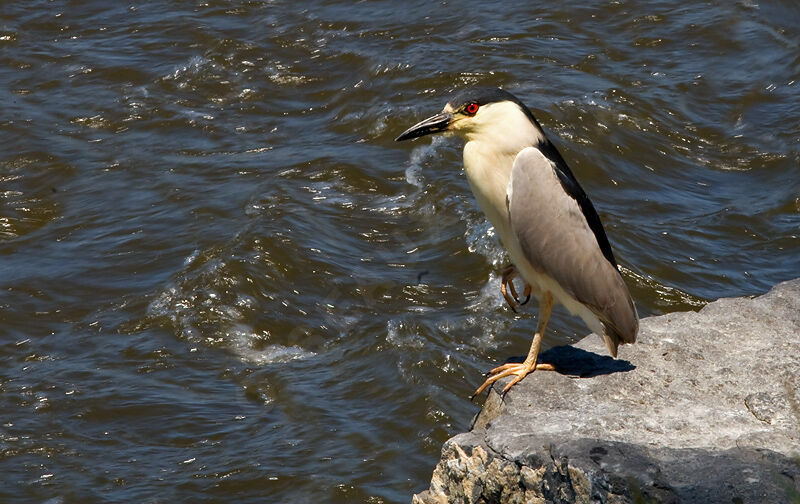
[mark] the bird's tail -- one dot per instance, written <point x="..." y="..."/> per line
<point x="621" y="326"/>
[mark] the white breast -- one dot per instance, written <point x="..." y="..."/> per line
<point x="488" y="174"/>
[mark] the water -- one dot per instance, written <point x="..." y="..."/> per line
<point x="223" y="280"/>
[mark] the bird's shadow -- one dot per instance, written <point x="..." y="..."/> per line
<point x="572" y="361"/>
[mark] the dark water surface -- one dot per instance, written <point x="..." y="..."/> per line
<point x="221" y="280"/>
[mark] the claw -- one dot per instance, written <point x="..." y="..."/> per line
<point x="512" y="289"/>
<point x="507" y="284"/>
<point x="527" y="293"/>
<point x="519" y="369"/>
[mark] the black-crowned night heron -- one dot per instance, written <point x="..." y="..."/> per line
<point x="542" y="216"/>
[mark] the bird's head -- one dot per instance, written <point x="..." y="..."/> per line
<point x="483" y="114"/>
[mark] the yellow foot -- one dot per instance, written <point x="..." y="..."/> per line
<point x="507" y="284"/>
<point x="521" y="370"/>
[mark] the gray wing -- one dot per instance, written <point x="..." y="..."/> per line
<point x="557" y="240"/>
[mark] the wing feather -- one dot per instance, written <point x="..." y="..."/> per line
<point x="556" y="238"/>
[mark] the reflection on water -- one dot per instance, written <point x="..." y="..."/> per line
<point x="221" y="276"/>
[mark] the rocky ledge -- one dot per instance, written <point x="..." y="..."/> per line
<point x="703" y="408"/>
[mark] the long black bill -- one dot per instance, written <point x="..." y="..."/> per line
<point x="434" y="124"/>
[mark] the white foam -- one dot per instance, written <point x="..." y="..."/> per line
<point x="418" y="156"/>
<point x="398" y="334"/>
<point x="241" y="341"/>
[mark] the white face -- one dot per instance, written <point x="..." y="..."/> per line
<point x="502" y="123"/>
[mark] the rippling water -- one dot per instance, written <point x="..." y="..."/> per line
<point x="222" y="279"/>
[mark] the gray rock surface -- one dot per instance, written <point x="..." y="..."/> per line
<point x="703" y="408"/>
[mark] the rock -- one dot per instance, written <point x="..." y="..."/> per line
<point x="703" y="408"/>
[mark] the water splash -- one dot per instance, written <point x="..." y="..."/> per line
<point x="419" y="155"/>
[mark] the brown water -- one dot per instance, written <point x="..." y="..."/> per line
<point x="223" y="281"/>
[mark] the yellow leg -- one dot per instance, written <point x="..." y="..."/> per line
<point x="521" y="370"/>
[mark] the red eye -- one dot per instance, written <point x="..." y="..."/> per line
<point x="471" y="109"/>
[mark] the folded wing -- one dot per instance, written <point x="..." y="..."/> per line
<point x="553" y="229"/>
